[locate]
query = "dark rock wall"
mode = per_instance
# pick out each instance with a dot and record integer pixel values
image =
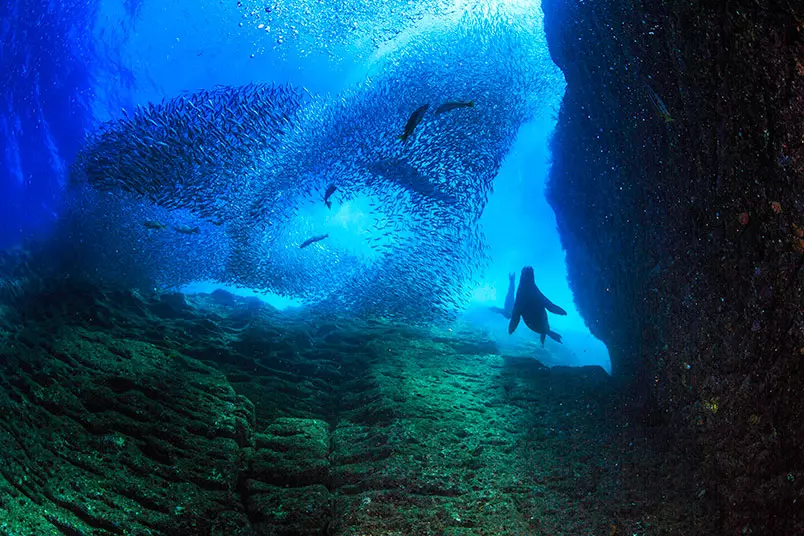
(677, 183)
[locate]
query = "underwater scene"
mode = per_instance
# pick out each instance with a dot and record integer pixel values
(393, 267)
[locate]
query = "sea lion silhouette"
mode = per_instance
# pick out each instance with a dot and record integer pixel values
(509, 298)
(532, 306)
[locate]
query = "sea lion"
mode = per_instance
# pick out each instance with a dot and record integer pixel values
(509, 298)
(532, 306)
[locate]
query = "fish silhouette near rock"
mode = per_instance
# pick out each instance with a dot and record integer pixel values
(531, 306)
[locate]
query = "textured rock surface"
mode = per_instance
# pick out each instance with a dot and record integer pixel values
(104, 433)
(131, 414)
(677, 182)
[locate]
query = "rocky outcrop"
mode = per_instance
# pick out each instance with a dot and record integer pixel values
(108, 435)
(677, 183)
(125, 413)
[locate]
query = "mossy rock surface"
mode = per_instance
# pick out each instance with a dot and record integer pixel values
(164, 421)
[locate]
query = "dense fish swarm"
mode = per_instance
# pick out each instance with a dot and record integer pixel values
(402, 237)
(104, 236)
(192, 151)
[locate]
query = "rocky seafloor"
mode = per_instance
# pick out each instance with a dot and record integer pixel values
(124, 413)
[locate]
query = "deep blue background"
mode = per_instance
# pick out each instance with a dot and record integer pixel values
(45, 89)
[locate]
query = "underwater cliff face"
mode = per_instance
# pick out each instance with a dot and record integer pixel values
(677, 185)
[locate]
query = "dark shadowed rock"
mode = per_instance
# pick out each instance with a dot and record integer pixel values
(677, 186)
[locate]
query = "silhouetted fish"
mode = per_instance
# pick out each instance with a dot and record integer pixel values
(414, 119)
(449, 106)
(408, 176)
(186, 229)
(312, 240)
(153, 224)
(330, 190)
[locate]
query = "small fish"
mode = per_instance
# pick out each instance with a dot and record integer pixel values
(153, 224)
(414, 119)
(313, 240)
(449, 106)
(186, 229)
(330, 190)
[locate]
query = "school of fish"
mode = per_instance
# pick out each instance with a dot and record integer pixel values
(260, 185)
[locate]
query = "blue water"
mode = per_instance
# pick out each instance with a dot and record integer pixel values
(70, 66)
(46, 79)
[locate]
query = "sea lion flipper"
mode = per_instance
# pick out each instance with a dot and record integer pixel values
(513, 323)
(516, 315)
(547, 304)
(553, 308)
(555, 336)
